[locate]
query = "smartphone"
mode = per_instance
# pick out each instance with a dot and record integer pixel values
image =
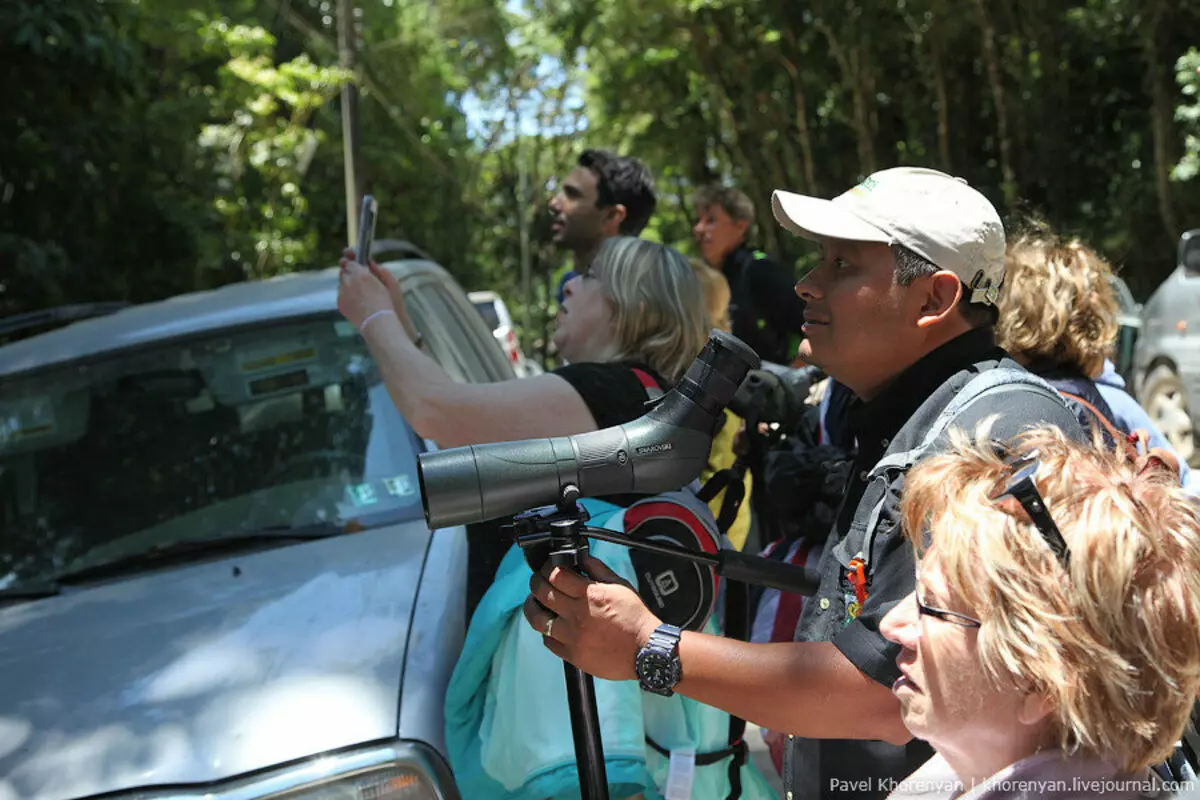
(366, 230)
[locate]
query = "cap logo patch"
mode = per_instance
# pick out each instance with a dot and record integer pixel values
(983, 290)
(866, 186)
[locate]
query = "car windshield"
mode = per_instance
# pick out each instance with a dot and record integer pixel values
(283, 425)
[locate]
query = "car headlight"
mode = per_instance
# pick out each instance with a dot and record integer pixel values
(389, 783)
(399, 771)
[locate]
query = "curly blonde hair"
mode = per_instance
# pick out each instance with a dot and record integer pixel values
(659, 311)
(1057, 302)
(1113, 640)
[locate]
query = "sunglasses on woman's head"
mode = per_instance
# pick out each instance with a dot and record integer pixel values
(1022, 486)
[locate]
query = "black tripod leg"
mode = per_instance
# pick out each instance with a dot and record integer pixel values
(585, 725)
(581, 700)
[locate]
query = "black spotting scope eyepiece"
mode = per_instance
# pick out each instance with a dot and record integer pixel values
(662, 450)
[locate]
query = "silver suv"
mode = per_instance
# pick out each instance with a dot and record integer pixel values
(1167, 357)
(217, 580)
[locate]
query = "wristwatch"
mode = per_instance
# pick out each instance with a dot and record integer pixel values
(657, 664)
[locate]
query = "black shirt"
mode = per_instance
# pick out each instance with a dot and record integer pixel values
(894, 422)
(614, 394)
(764, 309)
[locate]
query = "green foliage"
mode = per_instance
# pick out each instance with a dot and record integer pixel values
(161, 146)
(1187, 71)
(261, 155)
(96, 182)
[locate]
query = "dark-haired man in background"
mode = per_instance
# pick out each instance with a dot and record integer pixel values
(765, 311)
(604, 195)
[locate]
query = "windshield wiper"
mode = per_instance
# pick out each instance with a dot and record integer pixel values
(184, 548)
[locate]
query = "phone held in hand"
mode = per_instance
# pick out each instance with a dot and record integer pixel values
(366, 230)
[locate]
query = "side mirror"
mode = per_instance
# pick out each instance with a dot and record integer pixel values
(1189, 252)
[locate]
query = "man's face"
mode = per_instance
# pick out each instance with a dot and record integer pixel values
(717, 233)
(579, 225)
(860, 325)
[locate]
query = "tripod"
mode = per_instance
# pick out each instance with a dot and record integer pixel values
(558, 534)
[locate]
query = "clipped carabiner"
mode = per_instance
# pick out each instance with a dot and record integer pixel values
(858, 579)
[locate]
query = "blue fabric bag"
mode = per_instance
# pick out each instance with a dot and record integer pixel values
(508, 728)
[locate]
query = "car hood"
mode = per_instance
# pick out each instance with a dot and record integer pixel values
(197, 673)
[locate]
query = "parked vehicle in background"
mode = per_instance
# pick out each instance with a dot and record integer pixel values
(1167, 355)
(1129, 320)
(495, 313)
(216, 580)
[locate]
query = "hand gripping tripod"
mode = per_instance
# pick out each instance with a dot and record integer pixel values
(558, 534)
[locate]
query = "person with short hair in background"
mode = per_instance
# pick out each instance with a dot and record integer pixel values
(764, 310)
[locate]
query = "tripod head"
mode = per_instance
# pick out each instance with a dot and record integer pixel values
(553, 533)
(558, 531)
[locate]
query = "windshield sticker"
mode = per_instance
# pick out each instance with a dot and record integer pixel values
(257, 359)
(399, 486)
(362, 494)
(32, 418)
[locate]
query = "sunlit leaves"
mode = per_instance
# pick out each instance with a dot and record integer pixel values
(1187, 71)
(267, 136)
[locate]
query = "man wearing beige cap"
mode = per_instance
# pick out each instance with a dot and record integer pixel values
(900, 309)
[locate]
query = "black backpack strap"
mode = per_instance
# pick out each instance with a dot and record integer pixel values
(731, 480)
(737, 626)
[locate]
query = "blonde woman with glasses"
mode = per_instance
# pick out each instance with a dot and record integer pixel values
(1051, 648)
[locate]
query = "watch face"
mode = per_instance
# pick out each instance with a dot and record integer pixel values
(657, 671)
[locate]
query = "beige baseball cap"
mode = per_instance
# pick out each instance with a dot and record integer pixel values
(935, 215)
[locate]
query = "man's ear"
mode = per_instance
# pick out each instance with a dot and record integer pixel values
(943, 292)
(614, 215)
(742, 225)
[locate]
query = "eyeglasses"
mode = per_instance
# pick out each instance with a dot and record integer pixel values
(953, 617)
(1023, 488)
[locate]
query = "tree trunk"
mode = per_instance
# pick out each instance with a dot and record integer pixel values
(1161, 116)
(860, 82)
(802, 130)
(1007, 175)
(943, 99)
(850, 78)
(925, 29)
